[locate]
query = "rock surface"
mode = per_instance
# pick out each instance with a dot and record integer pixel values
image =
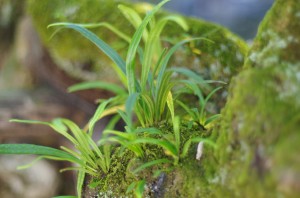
(259, 134)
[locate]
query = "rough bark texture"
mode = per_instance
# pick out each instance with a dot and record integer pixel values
(259, 134)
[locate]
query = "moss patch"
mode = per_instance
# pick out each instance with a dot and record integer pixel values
(189, 178)
(261, 121)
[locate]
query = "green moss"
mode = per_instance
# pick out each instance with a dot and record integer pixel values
(278, 37)
(189, 178)
(255, 120)
(261, 121)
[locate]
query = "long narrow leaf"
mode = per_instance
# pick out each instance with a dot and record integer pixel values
(169, 147)
(133, 17)
(153, 47)
(108, 26)
(36, 150)
(140, 188)
(54, 125)
(104, 47)
(129, 107)
(206, 100)
(187, 109)
(149, 164)
(166, 59)
(97, 116)
(170, 104)
(130, 59)
(148, 107)
(211, 119)
(176, 128)
(80, 181)
(188, 73)
(97, 85)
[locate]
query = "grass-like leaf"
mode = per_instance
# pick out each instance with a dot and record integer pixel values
(37, 150)
(55, 125)
(80, 182)
(211, 119)
(176, 130)
(149, 164)
(170, 104)
(152, 47)
(203, 105)
(104, 47)
(98, 85)
(108, 26)
(140, 188)
(170, 148)
(97, 116)
(130, 59)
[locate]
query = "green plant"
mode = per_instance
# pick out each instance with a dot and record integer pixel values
(155, 83)
(170, 142)
(89, 157)
(147, 97)
(198, 115)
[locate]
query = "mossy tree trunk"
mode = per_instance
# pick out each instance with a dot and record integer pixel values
(260, 130)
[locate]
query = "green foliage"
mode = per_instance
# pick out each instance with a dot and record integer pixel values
(46, 152)
(155, 82)
(90, 157)
(137, 187)
(198, 115)
(145, 97)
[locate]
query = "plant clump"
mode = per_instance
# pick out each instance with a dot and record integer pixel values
(217, 60)
(155, 140)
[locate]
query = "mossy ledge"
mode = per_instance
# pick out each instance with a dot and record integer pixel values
(189, 178)
(259, 132)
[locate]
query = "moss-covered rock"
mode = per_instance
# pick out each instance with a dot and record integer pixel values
(259, 133)
(189, 178)
(219, 60)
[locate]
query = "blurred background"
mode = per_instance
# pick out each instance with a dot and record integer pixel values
(24, 96)
(240, 16)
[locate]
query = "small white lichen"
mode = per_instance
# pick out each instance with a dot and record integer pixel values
(71, 11)
(290, 87)
(253, 56)
(239, 56)
(223, 47)
(276, 43)
(199, 150)
(226, 70)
